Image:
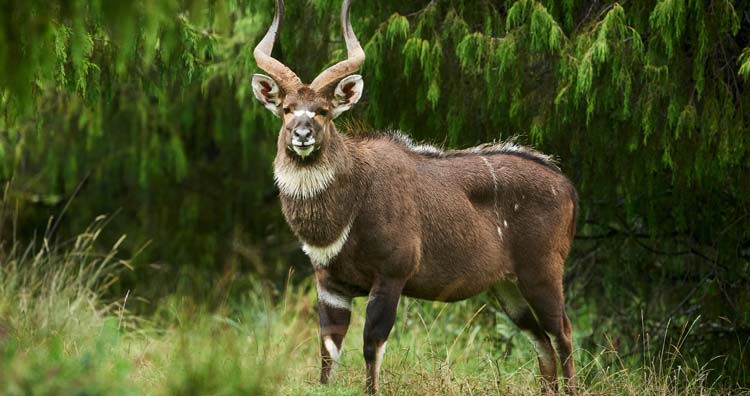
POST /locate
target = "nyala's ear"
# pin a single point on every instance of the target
(268, 93)
(347, 93)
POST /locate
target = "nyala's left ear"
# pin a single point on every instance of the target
(268, 93)
(347, 93)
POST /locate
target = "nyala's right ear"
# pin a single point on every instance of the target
(268, 93)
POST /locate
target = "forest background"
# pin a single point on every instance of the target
(143, 112)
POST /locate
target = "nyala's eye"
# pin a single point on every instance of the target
(287, 110)
(322, 112)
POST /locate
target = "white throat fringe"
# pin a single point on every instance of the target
(303, 182)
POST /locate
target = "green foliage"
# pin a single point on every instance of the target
(744, 62)
(144, 110)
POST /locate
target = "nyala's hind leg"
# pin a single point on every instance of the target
(549, 307)
(519, 311)
(540, 283)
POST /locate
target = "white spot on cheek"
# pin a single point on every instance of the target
(334, 300)
(322, 255)
(333, 352)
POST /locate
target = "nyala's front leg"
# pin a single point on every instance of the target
(381, 314)
(335, 312)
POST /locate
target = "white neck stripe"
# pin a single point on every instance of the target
(322, 255)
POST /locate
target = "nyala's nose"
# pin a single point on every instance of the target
(302, 133)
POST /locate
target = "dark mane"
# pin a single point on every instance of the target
(507, 147)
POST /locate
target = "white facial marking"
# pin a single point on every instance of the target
(303, 151)
(302, 182)
(300, 113)
(334, 353)
(322, 255)
(333, 299)
(296, 142)
(379, 356)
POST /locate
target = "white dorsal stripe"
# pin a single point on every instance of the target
(322, 255)
(303, 182)
(333, 299)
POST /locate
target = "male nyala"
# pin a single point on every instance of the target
(379, 216)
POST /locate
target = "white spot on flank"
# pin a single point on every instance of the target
(500, 232)
(322, 255)
(379, 356)
(516, 206)
(554, 191)
(333, 299)
(302, 182)
(300, 113)
(333, 352)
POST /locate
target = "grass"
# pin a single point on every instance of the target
(59, 337)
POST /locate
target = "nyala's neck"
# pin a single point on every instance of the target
(319, 199)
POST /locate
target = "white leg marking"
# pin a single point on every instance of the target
(333, 352)
(302, 183)
(379, 356)
(334, 300)
(322, 255)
